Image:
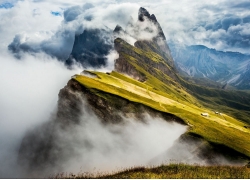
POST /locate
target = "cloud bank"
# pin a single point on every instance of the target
(218, 24)
(93, 146)
(28, 97)
(30, 29)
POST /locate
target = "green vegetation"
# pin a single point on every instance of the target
(172, 171)
(221, 129)
(234, 103)
(165, 91)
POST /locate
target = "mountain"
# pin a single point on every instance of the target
(91, 48)
(93, 45)
(144, 82)
(223, 67)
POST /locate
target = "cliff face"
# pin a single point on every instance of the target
(91, 48)
(41, 151)
(158, 44)
(133, 61)
(144, 50)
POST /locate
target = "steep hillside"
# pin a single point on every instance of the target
(221, 129)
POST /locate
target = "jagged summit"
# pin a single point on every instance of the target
(153, 18)
(118, 29)
(145, 34)
(93, 45)
(142, 14)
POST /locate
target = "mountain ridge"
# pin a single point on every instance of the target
(144, 81)
(224, 67)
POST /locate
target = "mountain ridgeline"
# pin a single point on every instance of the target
(198, 61)
(144, 82)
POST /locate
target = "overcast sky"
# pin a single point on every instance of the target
(219, 24)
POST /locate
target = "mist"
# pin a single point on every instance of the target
(106, 148)
(29, 93)
(93, 146)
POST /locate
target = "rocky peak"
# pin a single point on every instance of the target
(118, 29)
(153, 18)
(142, 14)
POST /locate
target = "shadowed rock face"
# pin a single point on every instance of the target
(125, 65)
(157, 45)
(93, 45)
(91, 48)
(144, 14)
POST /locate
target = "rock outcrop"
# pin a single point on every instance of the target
(135, 61)
(91, 48)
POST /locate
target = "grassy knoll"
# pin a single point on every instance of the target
(172, 171)
(220, 129)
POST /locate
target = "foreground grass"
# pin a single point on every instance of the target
(173, 171)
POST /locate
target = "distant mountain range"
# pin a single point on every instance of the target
(202, 62)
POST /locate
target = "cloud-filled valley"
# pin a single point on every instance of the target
(37, 38)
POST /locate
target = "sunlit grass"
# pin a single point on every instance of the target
(172, 171)
(221, 129)
(168, 92)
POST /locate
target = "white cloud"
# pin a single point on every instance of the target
(28, 97)
(114, 147)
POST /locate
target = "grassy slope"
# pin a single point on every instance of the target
(182, 171)
(172, 171)
(235, 103)
(154, 93)
(170, 95)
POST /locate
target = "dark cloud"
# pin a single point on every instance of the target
(230, 21)
(246, 19)
(59, 45)
(234, 37)
(73, 12)
(243, 5)
(6, 5)
(225, 23)
(76, 19)
(212, 24)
